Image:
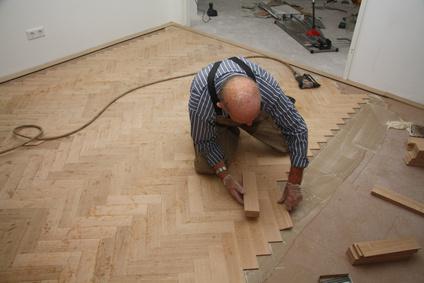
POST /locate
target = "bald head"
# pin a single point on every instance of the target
(241, 99)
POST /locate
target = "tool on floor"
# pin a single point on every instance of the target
(304, 81)
(313, 30)
(211, 11)
(414, 130)
(317, 38)
(335, 278)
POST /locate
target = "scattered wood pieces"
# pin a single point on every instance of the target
(251, 202)
(415, 152)
(399, 200)
(381, 251)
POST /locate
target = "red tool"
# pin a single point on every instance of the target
(313, 31)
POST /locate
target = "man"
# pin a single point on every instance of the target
(237, 93)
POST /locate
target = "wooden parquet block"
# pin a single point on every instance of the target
(414, 155)
(120, 200)
(250, 197)
(399, 200)
(382, 251)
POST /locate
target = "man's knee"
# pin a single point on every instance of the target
(201, 166)
(203, 170)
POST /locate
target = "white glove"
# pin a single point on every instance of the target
(291, 197)
(235, 189)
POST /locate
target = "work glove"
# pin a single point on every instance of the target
(291, 197)
(234, 188)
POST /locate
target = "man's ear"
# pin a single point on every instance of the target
(219, 104)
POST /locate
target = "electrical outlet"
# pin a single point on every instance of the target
(34, 33)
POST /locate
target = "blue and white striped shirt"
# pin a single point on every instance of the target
(274, 102)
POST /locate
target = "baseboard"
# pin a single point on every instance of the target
(261, 52)
(82, 53)
(309, 69)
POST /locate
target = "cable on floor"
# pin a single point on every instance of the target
(39, 138)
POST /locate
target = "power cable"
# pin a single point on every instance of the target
(39, 138)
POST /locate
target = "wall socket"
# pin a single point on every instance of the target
(34, 33)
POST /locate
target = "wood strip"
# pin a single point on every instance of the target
(251, 202)
(268, 222)
(399, 200)
(373, 248)
(245, 246)
(260, 244)
(195, 195)
(186, 278)
(219, 271)
(381, 250)
(415, 152)
(354, 253)
(202, 272)
(232, 258)
(358, 250)
(284, 219)
(383, 258)
(378, 258)
(350, 256)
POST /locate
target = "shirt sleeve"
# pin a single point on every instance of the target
(203, 133)
(292, 125)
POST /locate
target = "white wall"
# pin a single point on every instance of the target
(72, 26)
(387, 50)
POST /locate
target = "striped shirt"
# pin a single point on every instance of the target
(274, 102)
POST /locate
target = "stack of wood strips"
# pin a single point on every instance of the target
(415, 152)
(382, 251)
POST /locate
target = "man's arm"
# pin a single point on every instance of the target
(294, 129)
(295, 175)
(204, 138)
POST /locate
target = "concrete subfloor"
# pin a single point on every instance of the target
(240, 25)
(338, 208)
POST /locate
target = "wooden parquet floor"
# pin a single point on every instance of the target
(120, 201)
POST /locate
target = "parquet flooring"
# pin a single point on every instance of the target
(120, 201)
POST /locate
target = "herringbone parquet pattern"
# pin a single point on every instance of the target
(120, 201)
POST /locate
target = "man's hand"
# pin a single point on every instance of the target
(235, 189)
(291, 197)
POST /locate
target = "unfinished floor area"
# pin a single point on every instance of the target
(242, 21)
(120, 201)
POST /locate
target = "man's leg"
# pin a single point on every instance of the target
(228, 139)
(269, 133)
